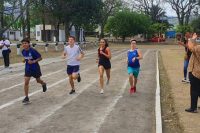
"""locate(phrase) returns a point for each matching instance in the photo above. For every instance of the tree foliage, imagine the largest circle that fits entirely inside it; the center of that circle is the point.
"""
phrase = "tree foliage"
(183, 29)
(124, 24)
(196, 25)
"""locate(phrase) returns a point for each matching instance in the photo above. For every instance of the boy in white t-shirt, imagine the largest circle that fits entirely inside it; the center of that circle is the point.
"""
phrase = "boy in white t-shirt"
(74, 54)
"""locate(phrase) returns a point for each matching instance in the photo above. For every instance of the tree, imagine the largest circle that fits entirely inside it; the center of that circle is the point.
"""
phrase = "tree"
(196, 25)
(149, 7)
(109, 8)
(127, 23)
(183, 29)
(183, 9)
(10, 12)
(158, 28)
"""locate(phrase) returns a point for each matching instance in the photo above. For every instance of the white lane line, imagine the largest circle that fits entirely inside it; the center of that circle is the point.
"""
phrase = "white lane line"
(35, 92)
(112, 105)
(108, 110)
(19, 74)
(157, 102)
(9, 88)
(45, 115)
(6, 89)
(50, 86)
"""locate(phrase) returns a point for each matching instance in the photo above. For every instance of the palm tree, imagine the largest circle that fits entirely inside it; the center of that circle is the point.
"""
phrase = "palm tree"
(156, 13)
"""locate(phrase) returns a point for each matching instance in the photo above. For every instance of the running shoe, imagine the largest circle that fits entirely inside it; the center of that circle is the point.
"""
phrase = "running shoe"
(185, 80)
(79, 77)
(191, 110)
(26, 100)
(102, 91)
(131, 90)
(134, 89)
(44, 87)
(72, 91)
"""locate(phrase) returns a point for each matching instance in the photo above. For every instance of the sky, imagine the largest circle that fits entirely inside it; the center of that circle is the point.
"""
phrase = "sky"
(169, 11)
(166, 7)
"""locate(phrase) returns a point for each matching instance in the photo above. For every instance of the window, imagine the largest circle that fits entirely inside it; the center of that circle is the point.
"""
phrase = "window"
(38, 33)
(12, 33)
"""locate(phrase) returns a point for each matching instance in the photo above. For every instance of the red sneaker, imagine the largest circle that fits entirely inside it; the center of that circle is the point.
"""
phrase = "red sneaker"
(135, 89)
(131, 90)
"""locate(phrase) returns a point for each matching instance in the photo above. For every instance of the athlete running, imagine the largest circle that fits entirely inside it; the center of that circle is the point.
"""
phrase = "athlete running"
(133, 68)
(104, 56)
(32, 68)
(74, 54)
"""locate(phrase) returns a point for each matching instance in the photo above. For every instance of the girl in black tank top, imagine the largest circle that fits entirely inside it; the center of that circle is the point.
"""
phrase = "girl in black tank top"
(104, 56)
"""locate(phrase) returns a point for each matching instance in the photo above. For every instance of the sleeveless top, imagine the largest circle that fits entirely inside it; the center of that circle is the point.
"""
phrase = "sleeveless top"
(103, 58)
(132, 54)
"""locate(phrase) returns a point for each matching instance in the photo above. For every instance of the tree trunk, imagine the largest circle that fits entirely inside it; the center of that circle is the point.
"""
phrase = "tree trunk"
(1, 17)
(102, 31)
(28, 19)
(44, 35)
(57, 32)
(67, 29)
(22, 20)
(123, 38)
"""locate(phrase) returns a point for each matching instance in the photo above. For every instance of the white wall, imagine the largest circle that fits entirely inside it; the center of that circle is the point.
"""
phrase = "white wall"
(38, 33)
(62, 36)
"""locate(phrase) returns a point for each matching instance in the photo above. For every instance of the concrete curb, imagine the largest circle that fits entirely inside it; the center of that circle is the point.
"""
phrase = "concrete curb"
(157, 104)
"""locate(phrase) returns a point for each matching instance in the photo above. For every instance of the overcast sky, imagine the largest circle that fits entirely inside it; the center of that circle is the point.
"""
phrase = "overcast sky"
(169, 11)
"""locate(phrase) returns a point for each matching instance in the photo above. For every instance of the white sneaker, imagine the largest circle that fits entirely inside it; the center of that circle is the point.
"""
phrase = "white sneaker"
(102, 91)
(185, 80)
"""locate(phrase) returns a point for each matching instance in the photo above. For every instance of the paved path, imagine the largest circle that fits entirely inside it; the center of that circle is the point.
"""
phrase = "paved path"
(87, 111)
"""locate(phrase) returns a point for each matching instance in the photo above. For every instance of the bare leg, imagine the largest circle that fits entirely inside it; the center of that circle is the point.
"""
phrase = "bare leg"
(135, 81)
(74, 76)
(131, 77)
(101, 71)
(108, 75)
(26, 85)
(71, 81)
(40, 81)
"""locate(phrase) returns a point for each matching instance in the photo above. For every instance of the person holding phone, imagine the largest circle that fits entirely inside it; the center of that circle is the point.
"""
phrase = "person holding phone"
(187, 56)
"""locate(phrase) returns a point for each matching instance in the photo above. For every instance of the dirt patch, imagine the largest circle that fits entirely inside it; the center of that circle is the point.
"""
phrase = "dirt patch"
(170, 118)
(180, 92)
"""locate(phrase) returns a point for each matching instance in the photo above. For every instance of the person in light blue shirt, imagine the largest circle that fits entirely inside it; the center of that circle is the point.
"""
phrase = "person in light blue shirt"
(133, 65)
(32, 68)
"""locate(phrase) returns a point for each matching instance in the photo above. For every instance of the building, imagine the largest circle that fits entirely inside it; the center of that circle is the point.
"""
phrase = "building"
(50, 33)
(13, 35)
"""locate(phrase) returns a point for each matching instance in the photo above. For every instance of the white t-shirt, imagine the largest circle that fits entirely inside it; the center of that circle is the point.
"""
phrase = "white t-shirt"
(6, 44)
(72, 54)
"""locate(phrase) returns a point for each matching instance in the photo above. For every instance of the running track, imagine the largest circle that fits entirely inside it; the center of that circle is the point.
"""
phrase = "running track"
(55, 111)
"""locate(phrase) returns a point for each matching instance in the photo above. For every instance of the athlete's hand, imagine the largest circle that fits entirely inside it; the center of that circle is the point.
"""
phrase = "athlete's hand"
(101, 52)
(78, 58)
(63, 57)
(31, 61)
(133, 60)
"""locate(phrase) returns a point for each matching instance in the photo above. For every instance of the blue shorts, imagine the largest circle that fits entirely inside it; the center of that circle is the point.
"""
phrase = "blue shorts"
(134, 71)
(35, 74)
(72, 69)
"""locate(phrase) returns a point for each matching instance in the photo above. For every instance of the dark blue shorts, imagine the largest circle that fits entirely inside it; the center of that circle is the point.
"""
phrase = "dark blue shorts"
(35, 74)
(72, 69)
